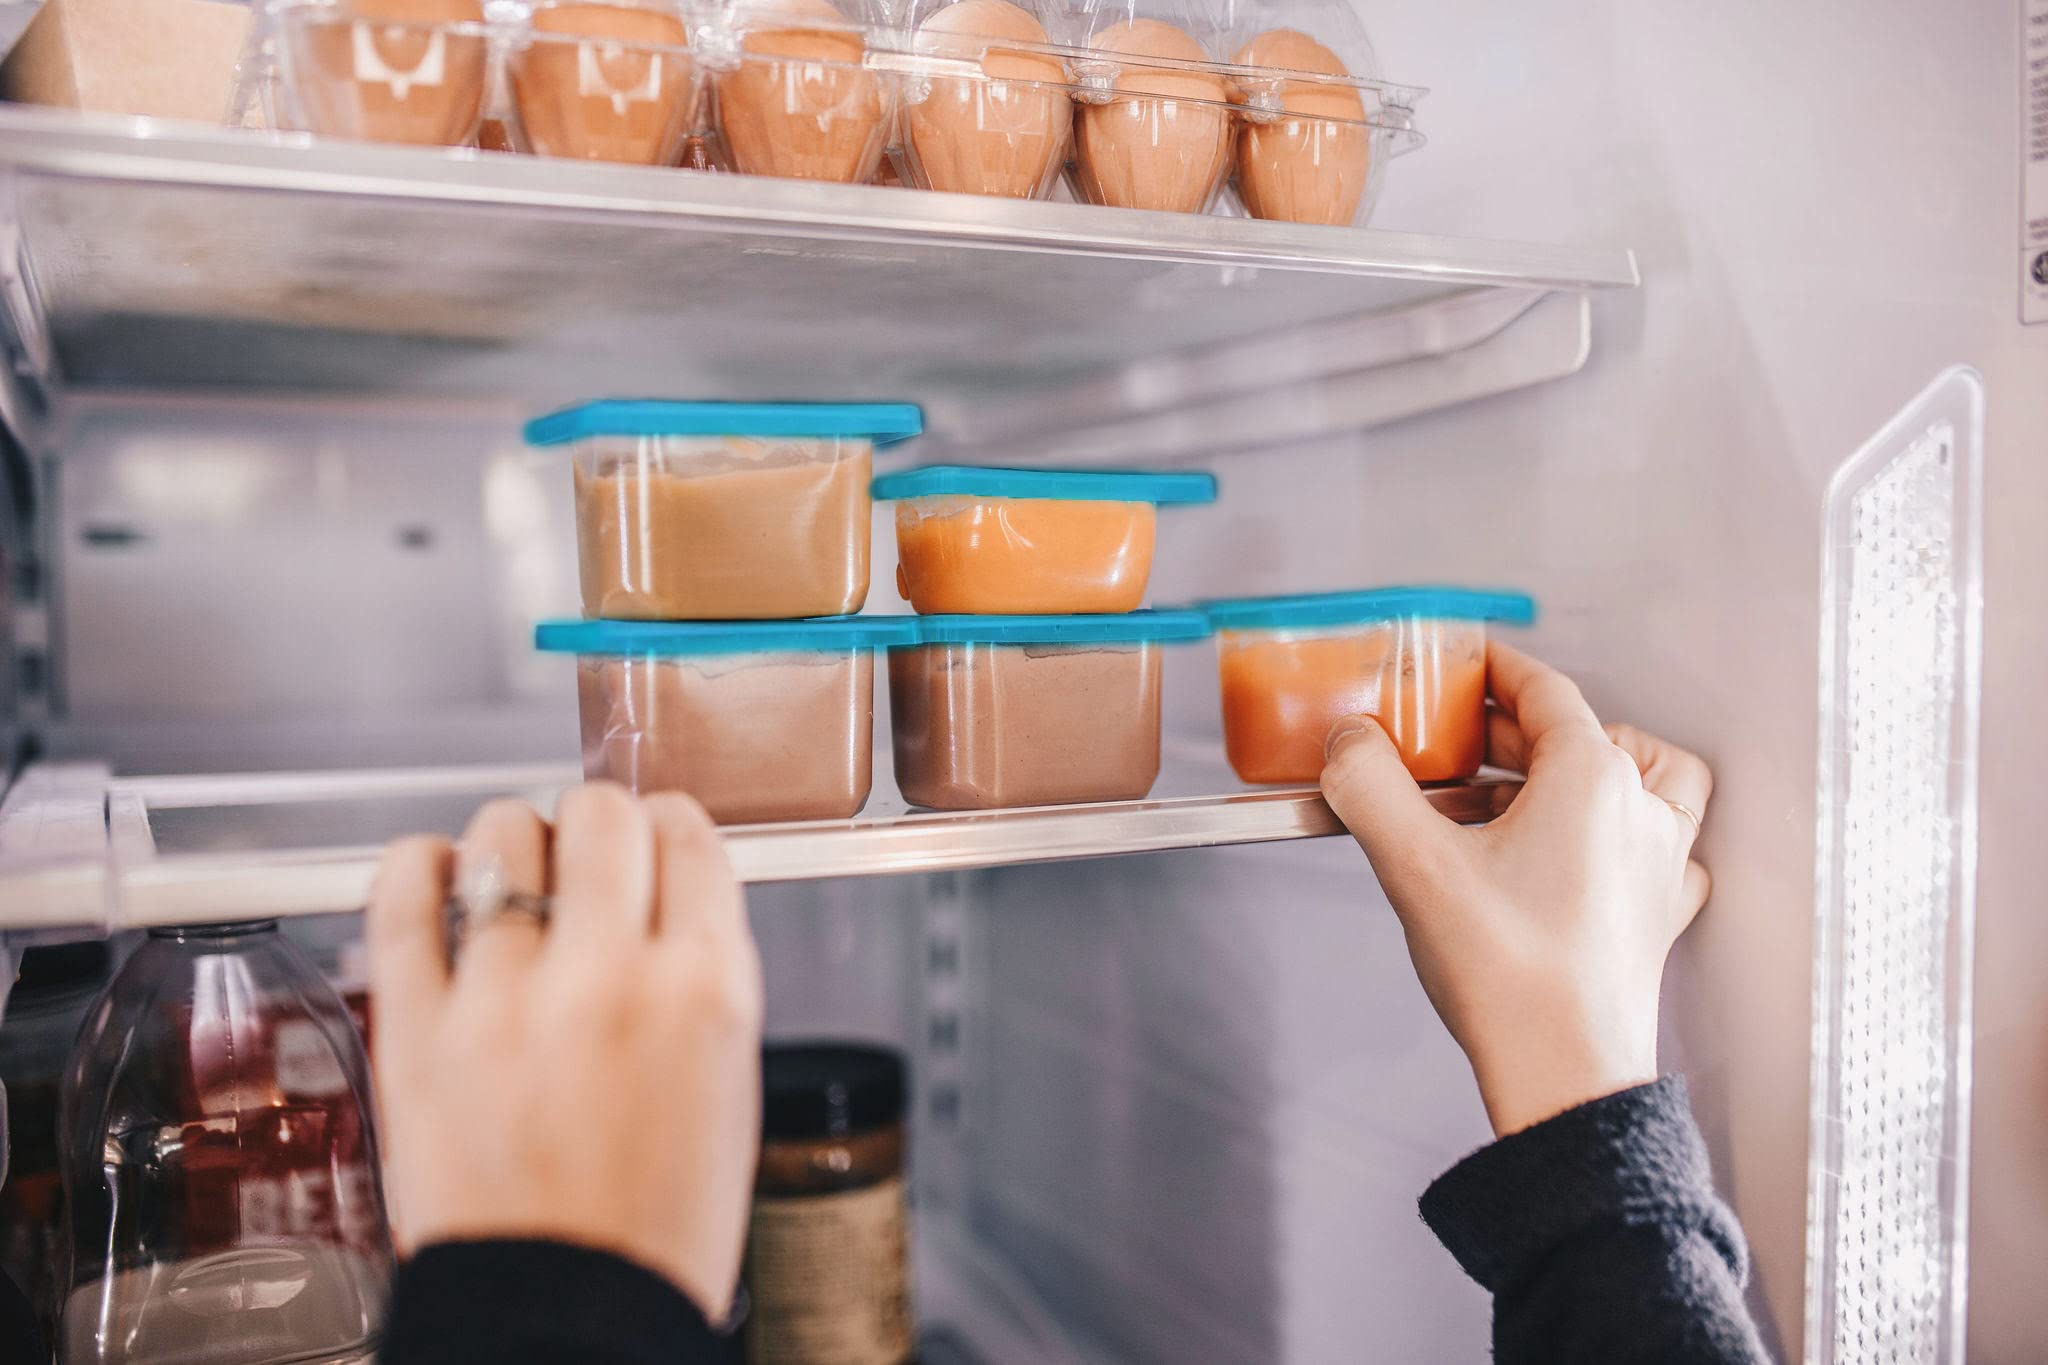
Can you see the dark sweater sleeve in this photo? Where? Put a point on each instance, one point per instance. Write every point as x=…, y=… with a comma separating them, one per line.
x=541, y=1303
x=1600, y=1237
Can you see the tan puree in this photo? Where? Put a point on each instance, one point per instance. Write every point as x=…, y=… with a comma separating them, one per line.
x=982, y=725
x=598, y=99
x=1166, y=149
x=1003, y=135
x=769, y=544
x=392, y=84
x=786, y=736
x=801, y=104
x=1310, y=169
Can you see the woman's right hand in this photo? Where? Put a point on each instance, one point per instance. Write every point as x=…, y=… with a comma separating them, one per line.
x=595, y=1079
x=1541, y=937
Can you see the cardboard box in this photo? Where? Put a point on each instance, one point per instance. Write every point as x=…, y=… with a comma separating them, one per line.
x=162, y=58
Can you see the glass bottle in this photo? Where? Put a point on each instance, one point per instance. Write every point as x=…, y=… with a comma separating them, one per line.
x=219, y=1164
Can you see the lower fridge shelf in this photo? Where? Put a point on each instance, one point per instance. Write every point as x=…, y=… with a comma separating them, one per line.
x=222, y=847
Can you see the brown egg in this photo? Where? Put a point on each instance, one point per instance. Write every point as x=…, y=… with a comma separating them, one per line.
x=376, y=80
x=609, y=97
x=1168, y=150
x=1311, y=169
x=1004, y=135
x=785, y=112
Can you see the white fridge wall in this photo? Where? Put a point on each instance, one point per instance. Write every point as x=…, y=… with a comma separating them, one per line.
x=1824, y=200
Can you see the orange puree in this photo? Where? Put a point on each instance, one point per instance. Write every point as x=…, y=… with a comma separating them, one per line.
x=1425, y=681
x=1022, y=556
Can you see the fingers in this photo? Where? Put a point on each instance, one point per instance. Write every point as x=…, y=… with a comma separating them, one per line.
x=407, y=947
x=1506, y=745
x=1669, y=772
x=604, y=870
x=695, y=892
x=1369, y=788
x=512, y=834
x=1693, y=890
x=1541, y=701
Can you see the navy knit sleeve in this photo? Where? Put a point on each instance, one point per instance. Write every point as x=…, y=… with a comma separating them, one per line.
x=1599, y=1234
x=515, y=1302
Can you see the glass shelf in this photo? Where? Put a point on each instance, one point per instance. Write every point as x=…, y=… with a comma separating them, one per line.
x=155, y=256
x=189, y=849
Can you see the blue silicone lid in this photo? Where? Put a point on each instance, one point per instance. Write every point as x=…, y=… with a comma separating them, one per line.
x=1077, y=485
x=1372, y=604
x=883, y=423
x=1131, y=627
x=824, y=634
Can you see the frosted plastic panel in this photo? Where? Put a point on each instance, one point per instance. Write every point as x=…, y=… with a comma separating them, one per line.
x=1895, y=899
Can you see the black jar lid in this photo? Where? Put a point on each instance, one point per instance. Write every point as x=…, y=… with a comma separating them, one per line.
x=819, y=1090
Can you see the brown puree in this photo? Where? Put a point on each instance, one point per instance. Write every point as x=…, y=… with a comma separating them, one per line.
x=611, y=97
x=769, y=543
x=396, y=80
x=752, y=736
x=981, y=725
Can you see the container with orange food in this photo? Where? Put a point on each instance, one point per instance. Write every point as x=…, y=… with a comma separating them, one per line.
x=1023, y=542
x=1413, y=657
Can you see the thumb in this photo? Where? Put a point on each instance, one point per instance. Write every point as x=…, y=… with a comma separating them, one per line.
x=1369, y=788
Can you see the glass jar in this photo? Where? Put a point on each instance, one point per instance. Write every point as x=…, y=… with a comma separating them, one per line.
x=219, y=1166
x=828, y=1252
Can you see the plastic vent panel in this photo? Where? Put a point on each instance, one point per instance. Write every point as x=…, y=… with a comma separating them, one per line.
x=1888, y=1188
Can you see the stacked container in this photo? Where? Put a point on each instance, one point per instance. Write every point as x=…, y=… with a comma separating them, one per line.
x=707, y=533
x=1145, y=104
x=1034, y=679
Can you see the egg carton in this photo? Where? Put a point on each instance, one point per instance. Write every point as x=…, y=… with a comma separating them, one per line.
x=1124, y=109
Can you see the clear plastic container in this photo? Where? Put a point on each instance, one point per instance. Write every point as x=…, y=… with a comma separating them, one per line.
x=1153, y=127
x=992, y=711
x=386, y=70
x=724, y=511
x=988, y=541
x=1414, y=658
x=1003, y=130
x=758, y=720
x=799, y=98
x=1315, y=124
x=605, y=82
x=219, y=1163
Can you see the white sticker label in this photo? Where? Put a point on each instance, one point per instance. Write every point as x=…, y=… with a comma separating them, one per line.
x=2034, y=161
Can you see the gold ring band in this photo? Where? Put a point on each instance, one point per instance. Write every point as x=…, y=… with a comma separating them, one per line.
x=1688, y=812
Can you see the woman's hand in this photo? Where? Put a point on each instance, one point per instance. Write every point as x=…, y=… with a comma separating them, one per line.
x=1541, y=937
x=593, y=1080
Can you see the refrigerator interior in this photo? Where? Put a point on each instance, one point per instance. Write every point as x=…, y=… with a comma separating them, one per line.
x=1178, y=1105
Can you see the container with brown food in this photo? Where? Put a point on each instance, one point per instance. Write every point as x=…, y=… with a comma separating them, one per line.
x=993, y=711
x=828, y=1251
x=723, y=511
x=758, y=720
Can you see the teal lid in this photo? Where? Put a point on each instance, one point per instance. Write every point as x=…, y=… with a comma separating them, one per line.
x=1077, y=485
x=883, y=423
x=1372, y=604
x=1131, y=627
x=824, y=634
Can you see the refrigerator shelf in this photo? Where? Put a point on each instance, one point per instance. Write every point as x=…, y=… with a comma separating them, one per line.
x=147, y=256
x=197, y=849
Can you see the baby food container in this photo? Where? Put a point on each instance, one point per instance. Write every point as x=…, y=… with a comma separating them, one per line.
x=1030, y=710
x=385, y=70
x=723, y=511
x=604, y=82
x=1029, y=540
x=987, y=109
x=797, y=94
x=759, y=720
x=1414, y=657
x=1314, y=125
